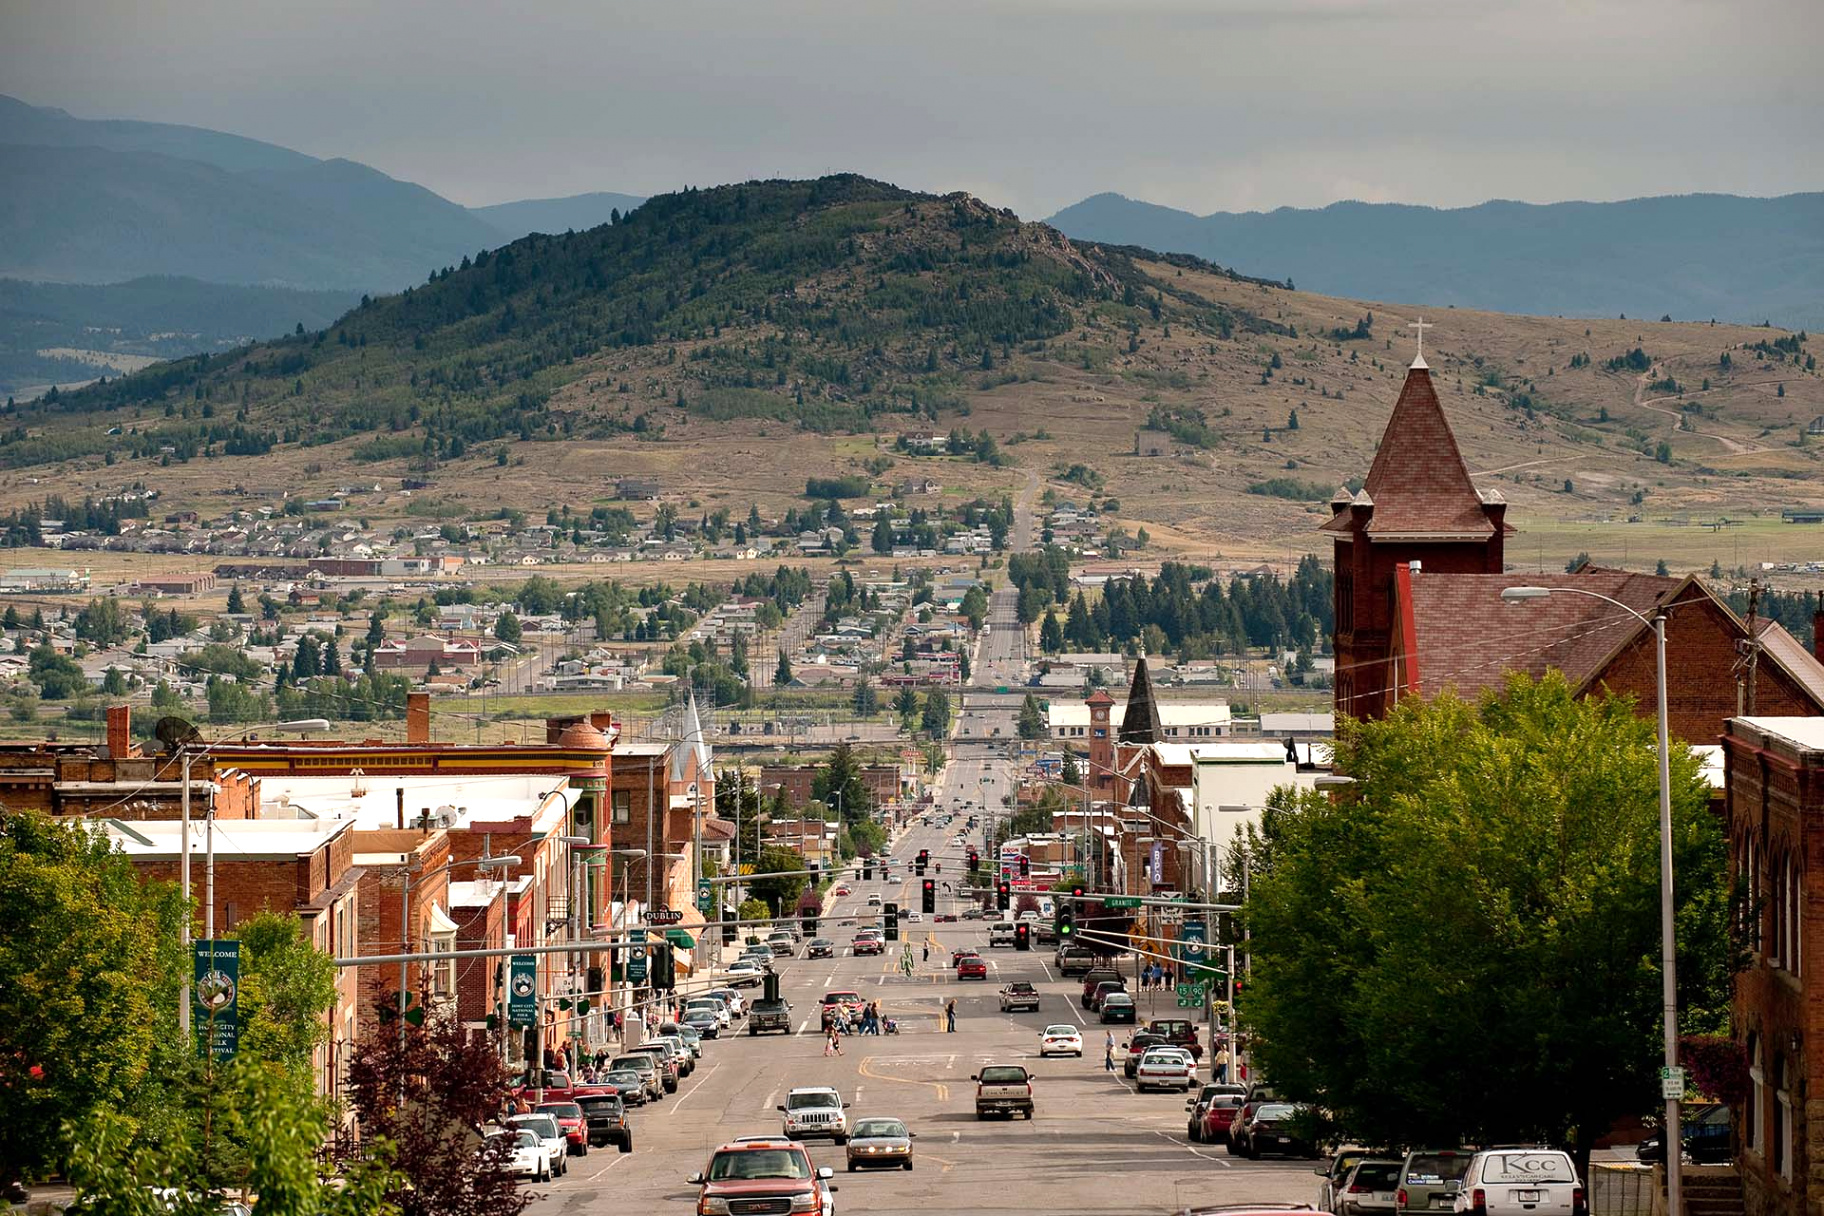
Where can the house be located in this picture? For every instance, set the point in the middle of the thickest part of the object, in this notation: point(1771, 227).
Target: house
point(424, 651)
point(1152, 443)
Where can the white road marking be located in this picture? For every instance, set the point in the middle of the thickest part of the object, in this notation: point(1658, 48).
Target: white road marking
point(766, 1103)
point(804, 1025)
point(1185, 1144)
point(698, 1087)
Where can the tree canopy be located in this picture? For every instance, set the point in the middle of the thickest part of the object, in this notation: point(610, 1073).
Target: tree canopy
point(1480, 915)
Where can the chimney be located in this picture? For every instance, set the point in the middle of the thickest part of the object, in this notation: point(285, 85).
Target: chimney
point(120, 732)
point(417, 717)
point(399, 806)
point(1817, 632)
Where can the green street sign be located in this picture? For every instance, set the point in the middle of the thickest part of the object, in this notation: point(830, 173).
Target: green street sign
point(706, 898)
point(1121, 901)
point(636, 956)
point(1190, 996)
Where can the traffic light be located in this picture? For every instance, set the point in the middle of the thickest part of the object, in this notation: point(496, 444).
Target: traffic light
point(1067, 913)
point(975, 862)
point(867, 867)
point(1003, 895)
point(921, 861)
point(1025, 866)
point(890, 915)
point(731, 932)
point(1022, 936)
point(929, 887)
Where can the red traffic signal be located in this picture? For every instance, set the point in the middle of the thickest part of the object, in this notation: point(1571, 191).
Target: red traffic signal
point(1003, 895)
point(1025, 866)
point(929, 891)
point(1022, 937)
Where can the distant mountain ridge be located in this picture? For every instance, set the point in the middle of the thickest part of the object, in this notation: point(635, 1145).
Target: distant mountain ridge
point(1691, 257)
point(101, 201)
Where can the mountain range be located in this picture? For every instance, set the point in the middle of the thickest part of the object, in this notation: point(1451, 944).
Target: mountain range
point(1689, 257)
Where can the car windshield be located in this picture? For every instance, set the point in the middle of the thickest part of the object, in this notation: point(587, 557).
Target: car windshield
point(633, 1064)
point(561, 1110)
point(1527, 1167)
point(1061, 1030)
point(1274, 1110)
point(801, 1101)
point(831, 998)
point(1437, 1167)
point(1377, 1175)
point(525, 1139)
point(760, 1163)
point(869, 1129)
point(1003, 1076)
point(621, 1076)
point(543, 1124)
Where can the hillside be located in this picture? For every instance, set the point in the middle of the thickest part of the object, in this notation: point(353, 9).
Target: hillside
point(1691, 257)
point(578, 211)
point(732, 342)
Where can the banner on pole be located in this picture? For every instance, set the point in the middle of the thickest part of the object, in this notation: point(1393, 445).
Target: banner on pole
point(218, 994)
point(522, 991)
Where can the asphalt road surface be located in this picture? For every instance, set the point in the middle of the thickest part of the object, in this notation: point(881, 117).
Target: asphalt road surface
point(1093, 1146)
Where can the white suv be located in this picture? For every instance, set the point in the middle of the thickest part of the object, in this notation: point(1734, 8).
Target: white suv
point(1521, 1182)
point(816, 1110)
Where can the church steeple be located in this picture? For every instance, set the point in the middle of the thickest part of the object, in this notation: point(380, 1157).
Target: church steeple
point(1140, 721)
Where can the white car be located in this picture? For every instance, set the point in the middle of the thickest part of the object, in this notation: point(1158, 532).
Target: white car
point(550, 1137)
point(713, 1005)
point(815, 1110)
point(1060, 1040)
point(913, 917)
point(1166, 1068)
point(735, 1002)
point(526, 1155)
point(1522, 1182)
point(743, 975)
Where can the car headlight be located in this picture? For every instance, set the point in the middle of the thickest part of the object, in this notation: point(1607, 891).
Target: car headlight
point(712, 1206)
point(807, 1202)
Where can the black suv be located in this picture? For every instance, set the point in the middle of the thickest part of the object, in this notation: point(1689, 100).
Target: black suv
point(769, 1015)
point(606, 1116)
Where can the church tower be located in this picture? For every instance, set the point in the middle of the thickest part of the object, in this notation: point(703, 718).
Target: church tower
point(1418, 509)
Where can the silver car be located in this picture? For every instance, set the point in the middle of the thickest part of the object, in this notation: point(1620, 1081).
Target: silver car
point(878, 1143)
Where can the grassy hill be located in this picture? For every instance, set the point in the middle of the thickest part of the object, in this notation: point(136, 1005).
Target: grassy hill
point(733, 342)
point(1689, 256)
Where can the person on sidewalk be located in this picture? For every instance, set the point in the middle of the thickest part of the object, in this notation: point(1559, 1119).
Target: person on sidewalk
point(950, 1015)
point(1108, 1051)
point(1221, 1072)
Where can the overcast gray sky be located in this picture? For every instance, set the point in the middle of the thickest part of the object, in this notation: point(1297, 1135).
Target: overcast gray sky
point(1202, 104)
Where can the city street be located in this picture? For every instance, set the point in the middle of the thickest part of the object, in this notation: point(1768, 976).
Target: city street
point(1093, 1145)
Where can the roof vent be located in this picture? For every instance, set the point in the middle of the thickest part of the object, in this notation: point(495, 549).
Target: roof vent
point(1415, 566)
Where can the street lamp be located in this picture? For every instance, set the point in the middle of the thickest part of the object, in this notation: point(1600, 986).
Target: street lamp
point(1668, 938)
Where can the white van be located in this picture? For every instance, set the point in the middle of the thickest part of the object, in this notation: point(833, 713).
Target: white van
point(1000, 933)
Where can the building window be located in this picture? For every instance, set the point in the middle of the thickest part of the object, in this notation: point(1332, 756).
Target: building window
point(1757, 1104)
point(623, 806)
point(231, 915)
point(1782, 1119)
point(443, 974)
point(1795, 922)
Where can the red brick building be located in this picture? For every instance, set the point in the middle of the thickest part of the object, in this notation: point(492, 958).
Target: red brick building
point(1420, 569)
point(1774, 781)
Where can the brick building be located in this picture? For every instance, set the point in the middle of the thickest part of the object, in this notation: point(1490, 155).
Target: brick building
point(1420, 570)
point(116, 780)
point(307, 868)
point(1774, 803)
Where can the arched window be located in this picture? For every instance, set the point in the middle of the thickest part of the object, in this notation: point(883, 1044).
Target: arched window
point(1795, 892)
point(1781, 1139)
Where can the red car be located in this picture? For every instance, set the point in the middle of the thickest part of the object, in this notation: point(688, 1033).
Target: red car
point(761, 1175)
point(971, 968)
point(868, 945)
point(570, 1117)
point(960, 953)
point(556, 1087)
point(1218, 1115)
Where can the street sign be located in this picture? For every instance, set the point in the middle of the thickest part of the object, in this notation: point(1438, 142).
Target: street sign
point(706, 898)
point(636, 956)
point(1121, 901)
point(1193, 943)
point(522, 991)
point(217, 995)
point(1190, 996)
point(664, 916)
point(1672, 1083)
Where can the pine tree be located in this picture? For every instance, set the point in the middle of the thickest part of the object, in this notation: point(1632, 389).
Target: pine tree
point(1051, 634)
point(782, 674)
point(867, 703)
point(332, 659)
point(235, 603)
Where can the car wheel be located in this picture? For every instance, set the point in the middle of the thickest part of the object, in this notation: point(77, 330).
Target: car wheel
point(1229, 1147)
point(1193, 1133)
point(851, 1167)
point(627, 1144)
point(908, 1165)
point(581, 1152)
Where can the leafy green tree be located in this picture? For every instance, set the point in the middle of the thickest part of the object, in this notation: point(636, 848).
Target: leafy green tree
point(1032, 719)
point(905, 704)
point(975, 606)
point(57, 676)
point(506, 628)
point(308, 661)
point(114, 683)
point(103, 621)
point(1496, 872)
point(539, 596)
point(288, 987)
point(1070, 773)
point(838, 784)
point(935, 719)
point(773, 882)
point(90, 968)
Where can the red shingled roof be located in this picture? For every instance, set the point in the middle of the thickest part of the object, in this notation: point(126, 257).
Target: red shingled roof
point(1418, 483)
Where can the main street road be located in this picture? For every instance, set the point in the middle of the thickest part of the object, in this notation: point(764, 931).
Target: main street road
point(1093, 1147)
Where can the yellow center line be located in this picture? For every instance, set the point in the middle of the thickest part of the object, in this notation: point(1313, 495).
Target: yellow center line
point(866, 1070)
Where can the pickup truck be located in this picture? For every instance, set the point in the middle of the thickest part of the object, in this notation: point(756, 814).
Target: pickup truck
point(1003, 1089)
point(770, 1015)
point(1019, 995)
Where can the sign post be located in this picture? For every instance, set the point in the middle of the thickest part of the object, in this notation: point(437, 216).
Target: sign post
point(522, 991)
point(636, 956)
point(217, 992)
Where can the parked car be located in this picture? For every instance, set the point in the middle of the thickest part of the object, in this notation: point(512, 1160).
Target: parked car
point(569, 1116)
point(648, 1068)
point(1096, 976)
point(1003, 1089)
point(1332, 1173)
point(1371, 1188)
point(1102, 989)
point(628, 1084)
point(607, 1119)
point(1707, 1137)
point(1179, 1032)
point(1521, 1182)
point(1062, 1039)
point(1200, 1104)
point(1166, 1068)
point(703, 1022)
point(1430, 1178)
point(737, 1004)
point(550, 1138)
point(1219, 1116)
point(526, 1155)
point(715, 1005)
point(880, 1142)
point(1273, 1127)
point(815, 1110)
point(763, 1175)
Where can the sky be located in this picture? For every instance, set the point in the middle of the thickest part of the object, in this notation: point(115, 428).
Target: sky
point(1205, 105)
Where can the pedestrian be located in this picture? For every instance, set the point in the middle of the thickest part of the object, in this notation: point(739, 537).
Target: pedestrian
point(1108, 1051)
point(927, 957)
point(834, 1046)
point(950, 1014)
point(1222, 1065)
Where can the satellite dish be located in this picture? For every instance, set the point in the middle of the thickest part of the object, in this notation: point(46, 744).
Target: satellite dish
point(174, 732)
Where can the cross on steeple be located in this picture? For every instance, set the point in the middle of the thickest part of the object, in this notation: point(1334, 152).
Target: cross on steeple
point(1421, 325)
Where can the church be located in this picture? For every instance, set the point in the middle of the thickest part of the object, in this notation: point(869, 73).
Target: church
point(1420, 557)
